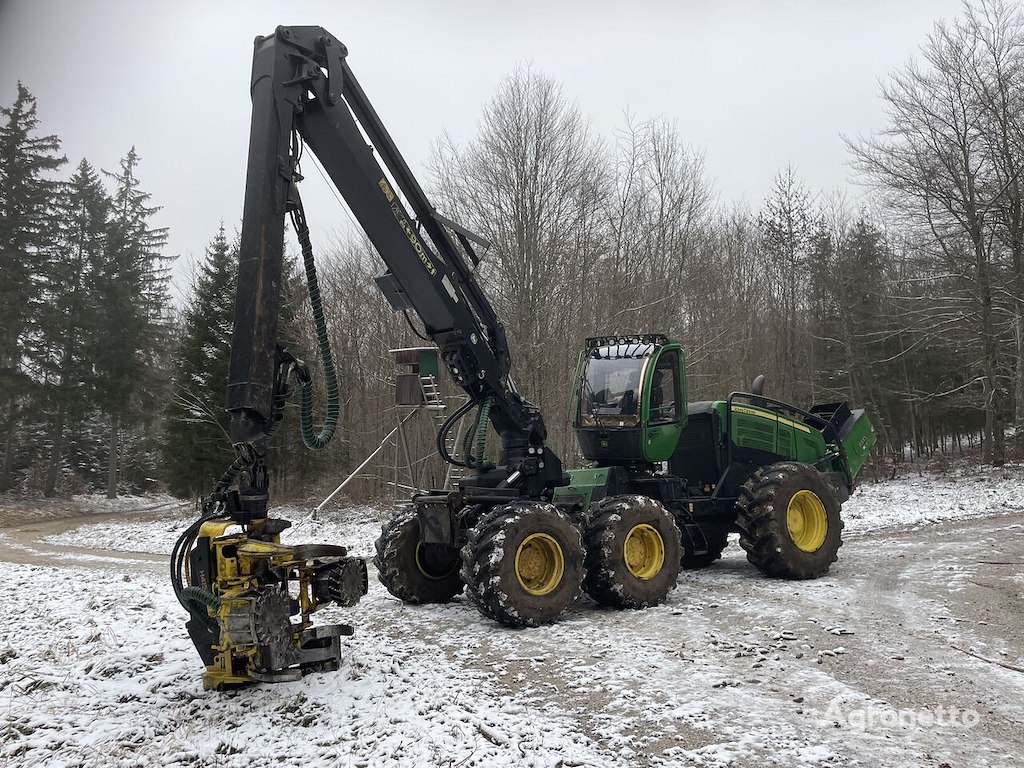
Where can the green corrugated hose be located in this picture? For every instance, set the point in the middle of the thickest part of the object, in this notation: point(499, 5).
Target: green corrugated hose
point(476, 459)
point(313, 441)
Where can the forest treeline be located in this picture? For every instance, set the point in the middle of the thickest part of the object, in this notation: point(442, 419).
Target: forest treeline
point(905, 297)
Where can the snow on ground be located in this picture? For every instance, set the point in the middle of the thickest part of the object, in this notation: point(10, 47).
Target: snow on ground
point(16, 509)
point(98, 671)
point(921, 498)
point(912, 500)
point(356, 527)
point(733, 670)
point(99, 504)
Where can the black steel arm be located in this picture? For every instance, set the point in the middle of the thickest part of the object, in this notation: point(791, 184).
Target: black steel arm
point(301, 84)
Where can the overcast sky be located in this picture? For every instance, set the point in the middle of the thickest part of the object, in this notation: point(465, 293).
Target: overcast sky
point(754, 84)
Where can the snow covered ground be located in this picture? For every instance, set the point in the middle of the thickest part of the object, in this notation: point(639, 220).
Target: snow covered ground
point(910, 501)
point(734, 670)
point(918, 499)
point(356, 527)
point(15, 509)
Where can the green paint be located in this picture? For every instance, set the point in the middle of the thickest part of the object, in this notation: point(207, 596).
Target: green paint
point(788, 438)
point(428, 363)
point(859, 441)
point(582, 482)
point(663, 404)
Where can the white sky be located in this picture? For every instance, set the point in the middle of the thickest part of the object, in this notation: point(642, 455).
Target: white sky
point(756, 85)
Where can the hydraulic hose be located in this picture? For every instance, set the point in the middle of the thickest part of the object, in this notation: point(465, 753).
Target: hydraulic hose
point(312, 440)
point(201, 596)
point(189, 596)
point(442, 434)
point(475, 442)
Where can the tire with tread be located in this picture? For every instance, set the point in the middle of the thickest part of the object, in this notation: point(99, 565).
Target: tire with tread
point(761, 516)
point(410, 570)
point(717, 541)
point(492, 573)
point(611, 578)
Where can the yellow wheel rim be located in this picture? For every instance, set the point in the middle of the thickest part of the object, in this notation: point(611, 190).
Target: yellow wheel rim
point(644, 551)
point(428, 573)
point(539, 564)
point(807, 521)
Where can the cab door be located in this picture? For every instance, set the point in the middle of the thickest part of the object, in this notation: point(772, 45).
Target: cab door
point(663, 404)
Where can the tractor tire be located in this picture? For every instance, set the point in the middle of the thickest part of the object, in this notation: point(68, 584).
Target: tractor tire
point(523, 564)
point(789, 521)
point(412, 571)
point(717, 540)
point(633, 552)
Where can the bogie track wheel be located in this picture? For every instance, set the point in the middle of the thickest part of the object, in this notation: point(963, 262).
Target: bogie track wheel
point(411, 570)
point(523, 564)
point(633, 552)
point(789, 522)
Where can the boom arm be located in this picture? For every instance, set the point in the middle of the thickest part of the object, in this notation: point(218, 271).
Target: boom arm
point(302, 85)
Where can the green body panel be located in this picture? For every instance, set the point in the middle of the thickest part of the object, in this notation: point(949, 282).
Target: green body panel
point(659, 439)
point(762, 429)
point(582, 483)
point(765, 430)
point(858, 442)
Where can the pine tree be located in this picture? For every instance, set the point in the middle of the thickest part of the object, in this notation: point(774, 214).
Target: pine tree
point(197, 447)
point(130, 286)
point(69, 315)
point(26, 202)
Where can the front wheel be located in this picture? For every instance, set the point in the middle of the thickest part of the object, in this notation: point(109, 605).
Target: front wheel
point(789, 522)
point(523, 564)
point(633, 552)
point(411, 570)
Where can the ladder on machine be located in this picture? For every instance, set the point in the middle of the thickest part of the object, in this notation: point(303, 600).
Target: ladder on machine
point(453, 441)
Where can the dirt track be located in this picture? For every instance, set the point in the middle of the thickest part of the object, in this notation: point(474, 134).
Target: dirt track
point(21, 540)
point(887, 634)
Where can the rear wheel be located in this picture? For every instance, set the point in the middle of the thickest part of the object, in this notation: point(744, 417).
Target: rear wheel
point(789, 522)
point(523, 564)
point(717, 541)
point(633, 552)
point(412, 570)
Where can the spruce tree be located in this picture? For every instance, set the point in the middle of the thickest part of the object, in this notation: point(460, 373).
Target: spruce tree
point(26, 216)
point(130, 287)
point(69, 315)
point(197, 448)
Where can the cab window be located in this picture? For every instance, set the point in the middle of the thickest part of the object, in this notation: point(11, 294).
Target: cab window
point(664, 390)
point(611, 386)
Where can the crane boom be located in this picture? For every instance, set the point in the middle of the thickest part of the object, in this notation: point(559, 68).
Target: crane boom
point(304, 95)
point(302, 87)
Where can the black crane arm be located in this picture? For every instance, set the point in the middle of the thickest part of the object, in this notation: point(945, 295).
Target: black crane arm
point(302, 86)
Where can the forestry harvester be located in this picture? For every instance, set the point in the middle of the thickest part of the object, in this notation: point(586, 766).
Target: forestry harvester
point(667, 482)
